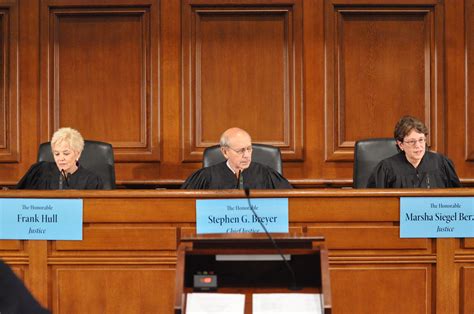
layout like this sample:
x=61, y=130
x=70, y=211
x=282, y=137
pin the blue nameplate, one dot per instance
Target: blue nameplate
x=436, y=217
x=40, y=219
x=235, y=216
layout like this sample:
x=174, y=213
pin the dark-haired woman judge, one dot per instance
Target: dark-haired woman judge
x=414, y=166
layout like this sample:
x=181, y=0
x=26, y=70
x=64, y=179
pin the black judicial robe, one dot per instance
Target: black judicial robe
x=433, y=171
x=45, y=175
x=14, y=296
x=219, y=176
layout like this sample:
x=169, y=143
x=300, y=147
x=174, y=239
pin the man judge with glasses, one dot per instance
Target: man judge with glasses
x=413, y=166
x=238, y=171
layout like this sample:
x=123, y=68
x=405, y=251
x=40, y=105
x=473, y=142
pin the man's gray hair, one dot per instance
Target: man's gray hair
x=224, y=141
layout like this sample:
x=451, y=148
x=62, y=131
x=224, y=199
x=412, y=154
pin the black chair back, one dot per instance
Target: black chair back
x=367, y=154
x=264, y=154
x=97, y=156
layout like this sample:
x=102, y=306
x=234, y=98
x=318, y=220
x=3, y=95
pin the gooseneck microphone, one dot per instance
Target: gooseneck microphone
x=293, y=285
x=63, y=179
x=240, y=181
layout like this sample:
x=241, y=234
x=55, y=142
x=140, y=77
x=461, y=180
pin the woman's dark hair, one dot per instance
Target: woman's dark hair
x=406, y=124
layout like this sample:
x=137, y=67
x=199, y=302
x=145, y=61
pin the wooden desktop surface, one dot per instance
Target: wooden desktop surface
x=127, y=258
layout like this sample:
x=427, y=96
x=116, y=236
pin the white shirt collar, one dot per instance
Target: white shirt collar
x=228, y=165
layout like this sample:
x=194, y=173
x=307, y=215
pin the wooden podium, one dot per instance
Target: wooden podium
x=249, y=263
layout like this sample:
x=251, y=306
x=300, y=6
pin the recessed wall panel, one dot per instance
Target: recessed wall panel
x=242, y=67
x=382, y=64
x=99, y=78
x=9, y=114
x=469, y=24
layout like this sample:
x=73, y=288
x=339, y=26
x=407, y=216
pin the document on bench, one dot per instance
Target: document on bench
x=210, y=303
x=294, y=303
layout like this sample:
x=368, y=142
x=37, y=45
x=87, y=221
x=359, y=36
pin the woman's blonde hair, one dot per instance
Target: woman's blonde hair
x=69, y=136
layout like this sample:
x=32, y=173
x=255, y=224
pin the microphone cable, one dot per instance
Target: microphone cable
x=293, y=285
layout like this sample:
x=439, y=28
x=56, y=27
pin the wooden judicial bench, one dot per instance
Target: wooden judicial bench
x=127, y=259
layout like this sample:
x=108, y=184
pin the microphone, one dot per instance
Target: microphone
x=240, y=181
x=61, y=180
x=293, y=285
x=63, y=175
x=428, y=181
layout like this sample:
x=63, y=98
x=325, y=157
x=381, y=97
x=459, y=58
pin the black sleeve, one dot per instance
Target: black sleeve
x=277, y=181
x=94, y=183
x=31, y=177
x=14, y=296
x=452, y=177
x=379, y=177
x=199, y=180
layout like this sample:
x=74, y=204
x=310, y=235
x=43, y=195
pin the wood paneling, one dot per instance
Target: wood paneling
x=467, y=289
x=242, y=66
x=130, y=265
x=161, y=79
x=371, y=52
x=469, y=33
x=111, y=289
x=468, y=243
x=405, y=284
x=122, y=237
x=11, y=245
x=100, y=75
x=9, y=102
x=367, y=238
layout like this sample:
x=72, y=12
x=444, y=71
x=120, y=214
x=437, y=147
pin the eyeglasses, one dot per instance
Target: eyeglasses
x=412, y=143
x=242, y=151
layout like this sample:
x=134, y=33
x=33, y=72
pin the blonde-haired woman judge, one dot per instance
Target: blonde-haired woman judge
x=65, y=172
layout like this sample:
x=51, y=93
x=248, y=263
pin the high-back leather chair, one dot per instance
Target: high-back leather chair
x=97, y=156
x=264, y=154
x=367, y=154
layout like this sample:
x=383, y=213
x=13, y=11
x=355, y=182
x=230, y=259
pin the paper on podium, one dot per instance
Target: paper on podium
x=289, y=303
x=204, y=303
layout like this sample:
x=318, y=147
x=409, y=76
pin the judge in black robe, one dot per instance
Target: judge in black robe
x=220, y=176
x=14, y=296
x=238, y=171
x=414, y=166
x=46, y=176
x=434, y=171
x=65, y=172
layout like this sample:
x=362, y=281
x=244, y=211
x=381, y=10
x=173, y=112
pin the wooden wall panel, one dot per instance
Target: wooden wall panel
x=9, y=102
x=366, y=238
x=112, y=237
x=409, y=288
x=372, y=270
x=125, y=289
x=468, y=243
x=467, y=289
x=242, y=67
x=469, y=32
x=11, y=245
x=383, y=63
x=100, y=75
